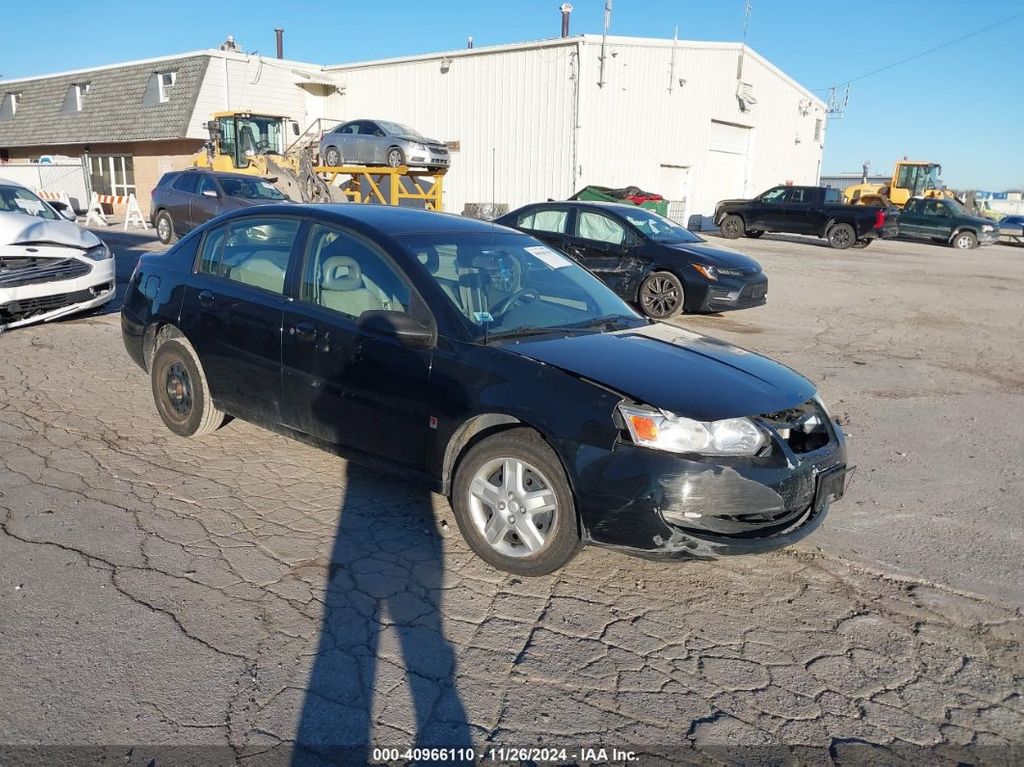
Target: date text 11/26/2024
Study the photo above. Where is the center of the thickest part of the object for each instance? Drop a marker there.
(538, 754)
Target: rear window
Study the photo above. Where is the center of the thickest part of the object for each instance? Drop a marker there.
(832, 195)
(186, 182)
(166, 179)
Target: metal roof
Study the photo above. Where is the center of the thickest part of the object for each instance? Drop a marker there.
(112, 111)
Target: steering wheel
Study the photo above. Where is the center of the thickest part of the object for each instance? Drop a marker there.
(263, 146)
(507, 303)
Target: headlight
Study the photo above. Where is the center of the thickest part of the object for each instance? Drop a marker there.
(708, 271)
(99, 253)
(987, 228)
(664, 431)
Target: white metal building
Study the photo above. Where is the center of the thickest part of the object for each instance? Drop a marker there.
(696, 122)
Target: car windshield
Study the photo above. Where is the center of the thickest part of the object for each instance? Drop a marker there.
(16, 199)
(659, 228)
(397, 129)
(250, 189)
(508, 284)
(956, 208)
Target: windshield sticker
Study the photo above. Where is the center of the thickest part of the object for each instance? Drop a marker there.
(34, 207)
(483, 317)
(549, 257)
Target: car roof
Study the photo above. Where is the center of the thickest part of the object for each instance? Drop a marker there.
(391, 220)
(217, 173)
(622, 207)
(15, 184)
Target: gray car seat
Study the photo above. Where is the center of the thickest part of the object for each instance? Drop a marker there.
(342, 288)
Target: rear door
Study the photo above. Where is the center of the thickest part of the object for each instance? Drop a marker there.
(179, 200)
(372, 142)
(232, 310)
(549, 223)
(341, 383)
(207, 202)
(604, 244)
(912, 219)
(802, 210)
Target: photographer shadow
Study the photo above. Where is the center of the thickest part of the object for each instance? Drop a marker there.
(385, 574)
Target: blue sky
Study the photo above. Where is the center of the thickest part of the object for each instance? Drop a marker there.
(962, 106)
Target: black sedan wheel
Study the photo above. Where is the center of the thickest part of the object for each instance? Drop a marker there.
(841, 236)
(181, 392)
(731, 227)
(164, 227)
(513, 504)
(662, 296)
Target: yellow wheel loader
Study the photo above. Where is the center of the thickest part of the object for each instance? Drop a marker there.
(256, 144)
(910, 178)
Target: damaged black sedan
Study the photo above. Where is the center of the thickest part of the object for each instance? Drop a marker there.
(647, 259)
(479, 360)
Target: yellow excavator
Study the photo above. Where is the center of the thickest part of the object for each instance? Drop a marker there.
(910, 178)
(256, 144)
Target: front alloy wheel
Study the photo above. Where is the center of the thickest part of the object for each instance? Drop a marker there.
(513, 506)
(661, 296)
(965, 241)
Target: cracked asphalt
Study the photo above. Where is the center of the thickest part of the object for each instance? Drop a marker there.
(247, 592)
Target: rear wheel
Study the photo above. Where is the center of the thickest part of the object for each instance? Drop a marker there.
(965, 241)
(164, 227)
(841, 236)
(662, 296)
(332, 156)
(731, 227)
(513, 504)
(396, 157)
(861, 244)
(181, 392)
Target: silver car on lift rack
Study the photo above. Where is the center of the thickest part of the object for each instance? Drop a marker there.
(379, 142)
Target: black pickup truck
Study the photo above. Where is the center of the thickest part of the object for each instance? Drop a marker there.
(816, 210)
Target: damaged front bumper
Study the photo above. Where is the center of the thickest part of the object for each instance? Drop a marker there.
(655, 504)
(40, 302)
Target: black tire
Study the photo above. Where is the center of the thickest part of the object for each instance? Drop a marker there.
(561, 541)
(395, 157)
(731, 227)
(964, 240)
(860, 244)
(165, 227)
(841, 236)
(181, 392)
(754, 233)
(332, 157)
(661, 296)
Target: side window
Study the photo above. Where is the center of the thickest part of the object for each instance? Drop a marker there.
(207, 184)
(544, 221)
(912, 206)
(935, 209)
(798, 195)
(596, 226)
(346, 275)
(253, 251)
(186, 182)
(832, 195)
(774, 196)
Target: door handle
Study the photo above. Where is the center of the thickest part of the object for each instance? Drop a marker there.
(205, 297)
(304, 331)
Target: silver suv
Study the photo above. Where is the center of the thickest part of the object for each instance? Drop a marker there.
(379, 142)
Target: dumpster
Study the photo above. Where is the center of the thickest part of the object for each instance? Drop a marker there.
(630, 195)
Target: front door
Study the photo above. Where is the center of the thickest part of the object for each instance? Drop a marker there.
(937, 221)
(604, 245)
(341, 383)
(232, 310)
(767, 213)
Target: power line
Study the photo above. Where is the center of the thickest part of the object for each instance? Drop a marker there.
(939, 47)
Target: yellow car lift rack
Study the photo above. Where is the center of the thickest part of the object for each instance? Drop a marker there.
(367, 184)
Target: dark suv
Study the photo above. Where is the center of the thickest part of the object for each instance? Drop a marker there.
(184, 199)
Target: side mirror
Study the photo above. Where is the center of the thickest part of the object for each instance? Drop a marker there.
(295, 127)
(63, 210)
(210, 193)
(409, 331)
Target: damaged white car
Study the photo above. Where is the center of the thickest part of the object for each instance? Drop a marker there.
(49, 266)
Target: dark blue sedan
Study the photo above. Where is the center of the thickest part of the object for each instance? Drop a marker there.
(497, 370)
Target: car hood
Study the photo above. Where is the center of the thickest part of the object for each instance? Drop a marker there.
(716, 256)
(674, 369)
(733, 202)
(18, 228)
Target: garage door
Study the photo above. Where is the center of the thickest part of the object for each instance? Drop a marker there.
(725, 169)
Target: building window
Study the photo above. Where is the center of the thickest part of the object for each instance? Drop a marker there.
(818, 125)
(9, 106)
(73, 99)
(166, 82)
(112, 174)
